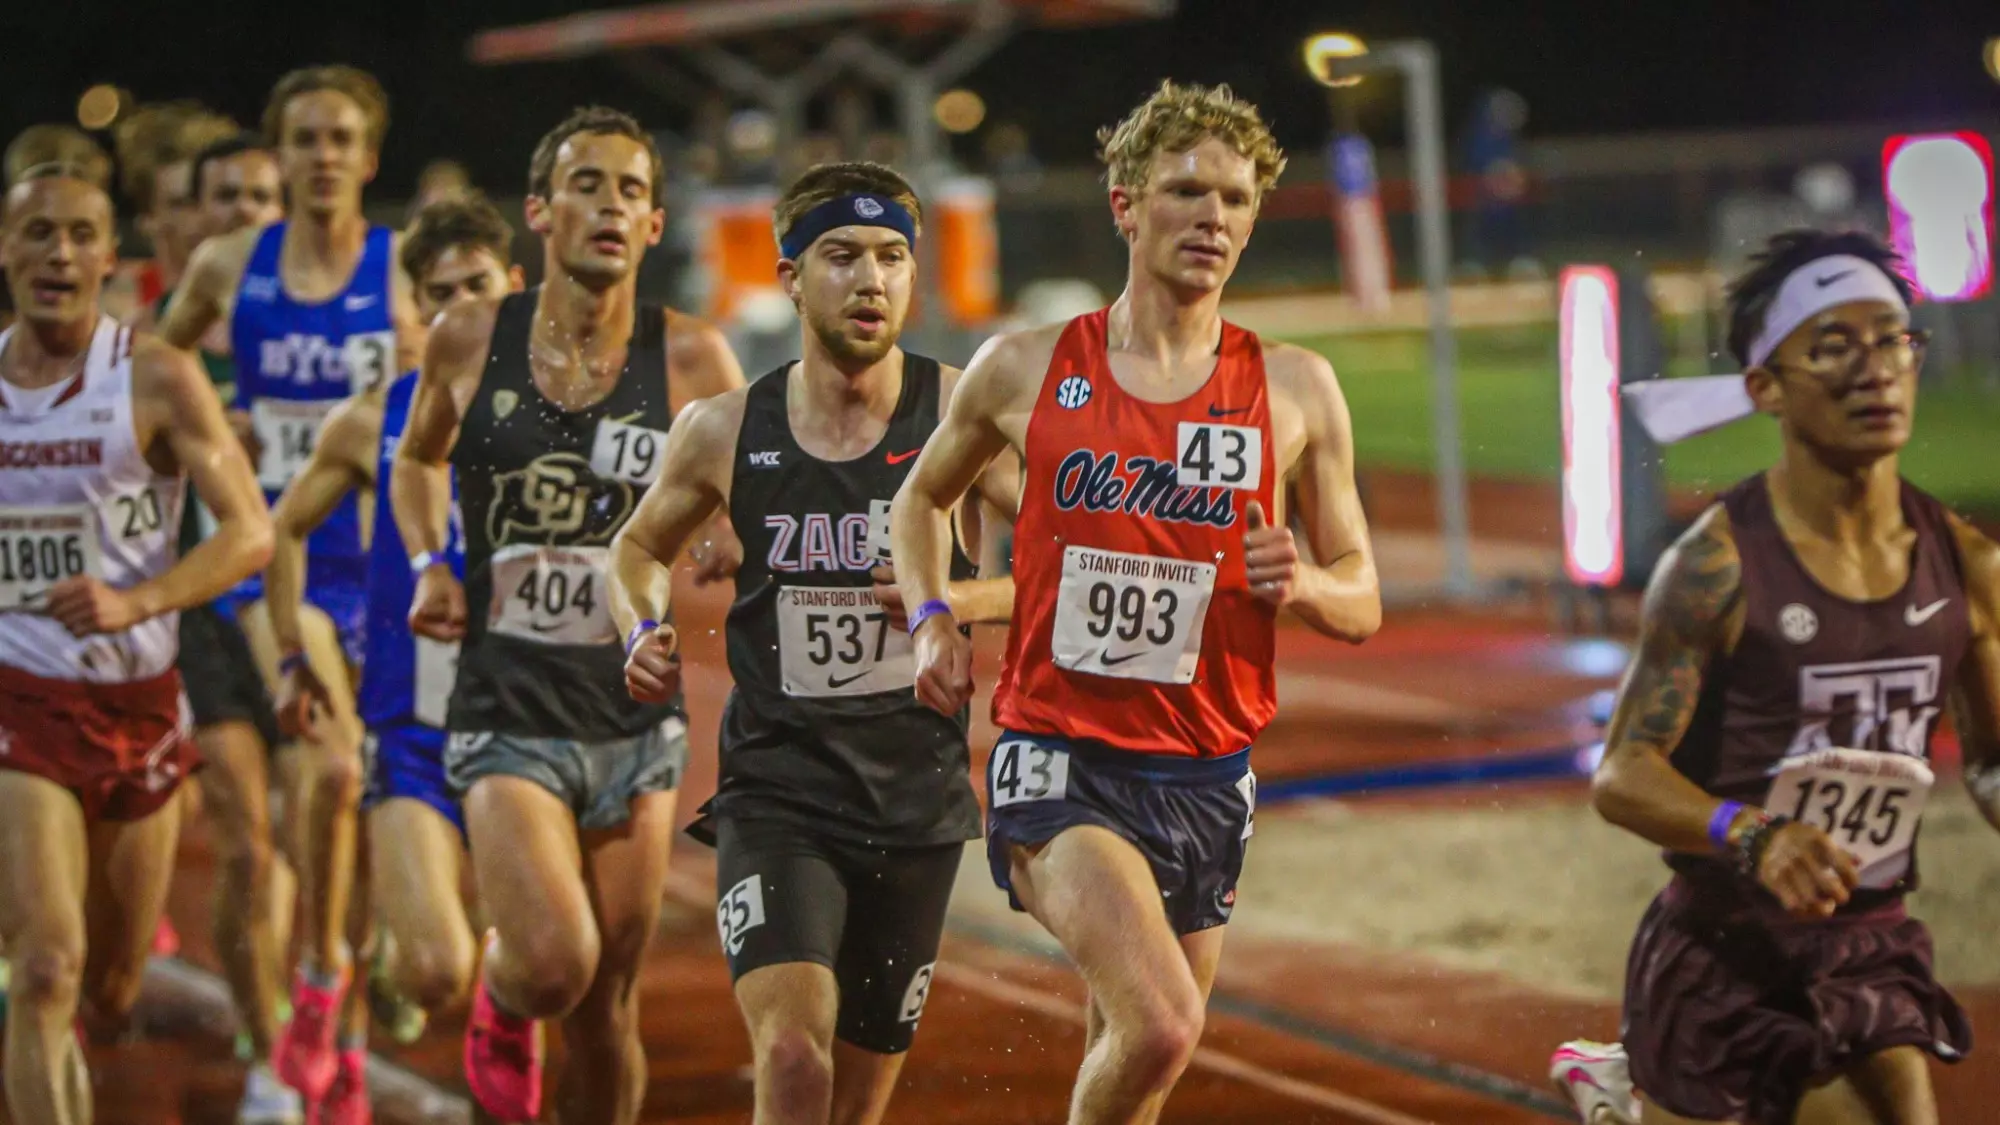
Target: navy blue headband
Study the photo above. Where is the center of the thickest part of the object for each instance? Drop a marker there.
(865, 210)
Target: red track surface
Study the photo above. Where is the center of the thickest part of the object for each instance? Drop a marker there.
(1297, 1035)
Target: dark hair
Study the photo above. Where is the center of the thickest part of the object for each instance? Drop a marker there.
(360, 86)
(824, 182)
(222, 150)
(468, 220)
(1751, 294)
(601, 120)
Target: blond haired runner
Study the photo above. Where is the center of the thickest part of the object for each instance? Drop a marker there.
(1151, 557)
(317, 311)
(101, 429)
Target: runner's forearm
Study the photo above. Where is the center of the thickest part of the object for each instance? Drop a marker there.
(642, 587)
(421, 493)
(285, 588)
(1343, 599)
(237, 550)
(1641, 792)
(920, 545)
(982, 601)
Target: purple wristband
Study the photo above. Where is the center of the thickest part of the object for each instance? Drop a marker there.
(291, 662)
(639, 630)
(1718, 825)
(927, 611)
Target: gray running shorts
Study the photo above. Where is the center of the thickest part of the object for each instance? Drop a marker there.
(597, 780)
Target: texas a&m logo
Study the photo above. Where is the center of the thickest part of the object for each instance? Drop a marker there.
(1884, 705)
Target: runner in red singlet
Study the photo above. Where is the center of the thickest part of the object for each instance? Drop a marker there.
(1151, 556)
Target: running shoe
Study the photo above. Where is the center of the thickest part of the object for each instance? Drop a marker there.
(394, 1012)
(503, 1057)
(304, 1057)
(267, 1101)
(347, 1102)
(1597, 1079)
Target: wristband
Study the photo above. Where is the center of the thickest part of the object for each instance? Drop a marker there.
(638, 632)
(928, 610)
(1750, 849)
(291, 662)
(425, 560)
(1718, 825)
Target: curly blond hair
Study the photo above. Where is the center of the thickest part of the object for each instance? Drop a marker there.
(1178, 117)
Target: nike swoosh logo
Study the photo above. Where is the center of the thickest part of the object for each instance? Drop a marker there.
(1110, 661)
(1215, 411)
(1912, 616)
(842, 681)
(899, 458)
(356, 303)
(1823, 282)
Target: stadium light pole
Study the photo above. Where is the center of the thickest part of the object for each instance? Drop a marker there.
(1342, 60)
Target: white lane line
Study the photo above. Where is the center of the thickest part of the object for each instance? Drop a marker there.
(693, 892)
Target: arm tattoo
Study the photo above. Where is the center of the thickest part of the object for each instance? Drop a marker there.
(1687, 604)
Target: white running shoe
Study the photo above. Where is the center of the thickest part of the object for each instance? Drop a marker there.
(1597, 1079)
(267, 1101)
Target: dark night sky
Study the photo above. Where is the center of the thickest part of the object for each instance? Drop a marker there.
(1599, 66)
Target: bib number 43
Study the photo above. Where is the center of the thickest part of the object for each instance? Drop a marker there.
(1025, 771)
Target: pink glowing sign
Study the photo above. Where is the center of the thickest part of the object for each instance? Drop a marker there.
(1940, 192)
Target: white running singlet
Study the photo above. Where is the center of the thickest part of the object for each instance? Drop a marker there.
(77, 497)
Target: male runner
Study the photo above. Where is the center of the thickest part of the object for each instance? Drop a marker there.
(317, 311)
(552, 407)
(1773, 733)
(843, 803)
(99, 430)
(236, 186)
(458, 249)
(156, 148)
(1150, 558)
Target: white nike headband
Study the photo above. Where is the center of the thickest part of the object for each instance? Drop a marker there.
(1815, 287)
(1674, 410)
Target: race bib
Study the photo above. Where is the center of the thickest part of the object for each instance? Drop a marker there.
(1133, 617)
(878, 530)
(1023, 771)
(286, 431)
(1210, 455)
(740, 910)
(839, 642)
(370, 358)
(40, 547)
(437, 670)
(629, 453)
(552, 595)
(1869, 802)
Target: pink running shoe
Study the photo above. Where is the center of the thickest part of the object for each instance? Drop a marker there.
(166, 940)
(1597, 1079)
(503, 1059)
(304, 1056)
(347, 1102)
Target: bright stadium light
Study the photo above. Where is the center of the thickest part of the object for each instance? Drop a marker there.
(1992, 55)
(1940, 192)
(1325, 50)
(1593, 510)
(99, 106)
(959, 111)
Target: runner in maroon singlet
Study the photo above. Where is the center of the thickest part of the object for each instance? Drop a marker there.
(1798, 648)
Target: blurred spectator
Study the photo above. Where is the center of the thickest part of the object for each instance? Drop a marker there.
(440, 180)
(1010, 161)
(1492, 157)
(156, 145)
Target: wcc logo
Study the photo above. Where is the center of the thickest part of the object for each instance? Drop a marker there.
(557, 499)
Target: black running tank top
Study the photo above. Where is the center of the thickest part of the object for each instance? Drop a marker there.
(824, 718)
(543, 490)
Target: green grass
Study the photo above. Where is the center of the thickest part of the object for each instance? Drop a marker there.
(1511, 415)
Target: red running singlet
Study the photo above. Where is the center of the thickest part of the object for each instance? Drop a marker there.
(1133, 624)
